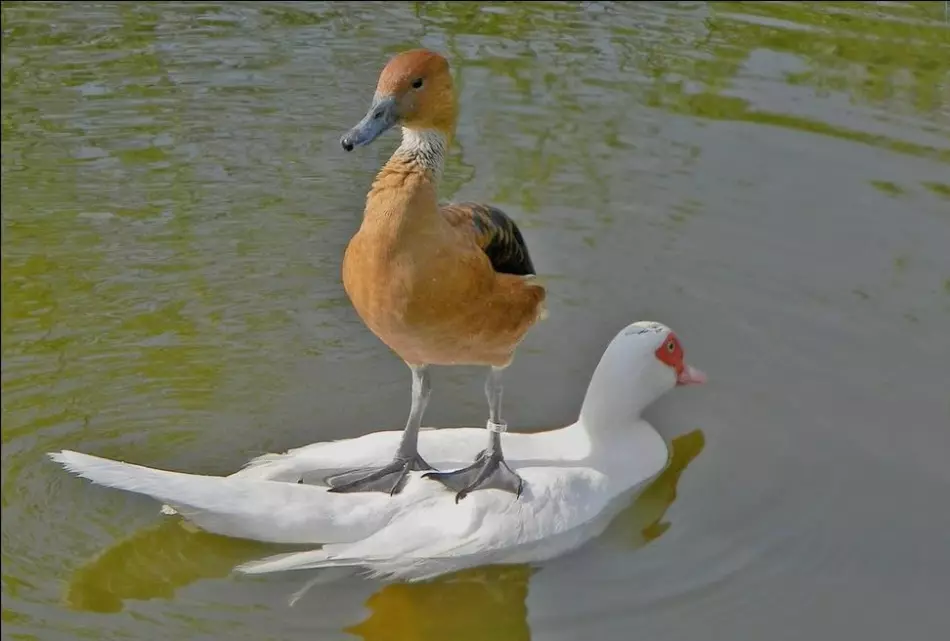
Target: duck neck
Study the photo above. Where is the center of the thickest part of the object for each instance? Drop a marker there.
(612, 404)
(423, 150)
(409, 182)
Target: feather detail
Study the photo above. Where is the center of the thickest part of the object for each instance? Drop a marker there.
(495, 233)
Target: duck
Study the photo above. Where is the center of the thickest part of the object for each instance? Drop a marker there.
(576, 478)
(439, 284)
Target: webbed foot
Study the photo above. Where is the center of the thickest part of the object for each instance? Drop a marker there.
(489, 471)
(389, 478)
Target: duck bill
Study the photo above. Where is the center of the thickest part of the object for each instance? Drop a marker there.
(690, 376)
(377, 121)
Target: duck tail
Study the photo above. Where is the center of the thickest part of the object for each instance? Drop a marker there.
(267, 511)
(115, 474)
(174, 489)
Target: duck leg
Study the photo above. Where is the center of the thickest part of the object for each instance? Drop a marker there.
(489, 469)
(391, 477)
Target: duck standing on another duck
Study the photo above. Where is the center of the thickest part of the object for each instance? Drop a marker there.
(439, 285)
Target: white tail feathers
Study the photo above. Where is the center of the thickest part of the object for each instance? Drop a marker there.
(126, 476)
(105, 472)
(260, 509)
(176, 488)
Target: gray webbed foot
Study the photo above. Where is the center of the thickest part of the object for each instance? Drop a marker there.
(389, 478)
(489, 471)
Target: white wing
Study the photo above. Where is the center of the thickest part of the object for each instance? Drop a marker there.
(488, 526)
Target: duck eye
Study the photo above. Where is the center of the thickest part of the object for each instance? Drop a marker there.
(417, 83)
(670, 346)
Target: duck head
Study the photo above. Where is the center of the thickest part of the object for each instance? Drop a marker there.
(415, 91)
(643, 361)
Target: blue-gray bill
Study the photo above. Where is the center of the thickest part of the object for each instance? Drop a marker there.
(379, 119)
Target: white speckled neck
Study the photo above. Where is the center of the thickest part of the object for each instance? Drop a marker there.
(424, 146)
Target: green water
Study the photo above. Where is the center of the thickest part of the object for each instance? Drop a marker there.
(770, 179)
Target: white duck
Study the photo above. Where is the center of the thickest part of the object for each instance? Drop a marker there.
(575, 479)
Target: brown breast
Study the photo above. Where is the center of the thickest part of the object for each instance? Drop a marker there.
(438, 303)
(424, 287)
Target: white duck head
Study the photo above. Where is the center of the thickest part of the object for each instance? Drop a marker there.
(642, 362)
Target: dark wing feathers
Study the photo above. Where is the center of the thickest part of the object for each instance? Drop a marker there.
(497, 235)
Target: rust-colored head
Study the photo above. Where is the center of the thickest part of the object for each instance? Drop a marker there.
(415, 91)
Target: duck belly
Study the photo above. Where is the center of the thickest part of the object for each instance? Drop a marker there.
(444, 315)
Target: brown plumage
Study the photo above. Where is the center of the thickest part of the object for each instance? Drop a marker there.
(440, 285)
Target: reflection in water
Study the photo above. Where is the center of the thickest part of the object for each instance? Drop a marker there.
(641, 523)
(482, 603)
(474, 604)
(154, 563)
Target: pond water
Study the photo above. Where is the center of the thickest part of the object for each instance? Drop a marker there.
(772, 181)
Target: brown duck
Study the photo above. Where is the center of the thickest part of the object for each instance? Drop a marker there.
(438, 284)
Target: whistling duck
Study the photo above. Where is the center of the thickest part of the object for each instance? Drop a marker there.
(438, 284)
(576, 477)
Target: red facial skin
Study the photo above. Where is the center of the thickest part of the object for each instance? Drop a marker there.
(671, 353)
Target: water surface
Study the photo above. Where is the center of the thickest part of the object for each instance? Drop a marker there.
(770, 179)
